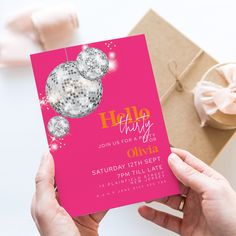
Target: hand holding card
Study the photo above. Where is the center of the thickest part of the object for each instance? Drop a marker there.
(104, 125)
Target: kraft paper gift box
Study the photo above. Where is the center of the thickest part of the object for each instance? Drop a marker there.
(176, 58)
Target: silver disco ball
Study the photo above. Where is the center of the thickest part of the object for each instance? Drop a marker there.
(70, 94)
(93, 63)
(58, 126)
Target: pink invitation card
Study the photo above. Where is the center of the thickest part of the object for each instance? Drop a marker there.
(104, 125)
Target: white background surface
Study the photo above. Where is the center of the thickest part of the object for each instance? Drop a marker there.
(209, 23)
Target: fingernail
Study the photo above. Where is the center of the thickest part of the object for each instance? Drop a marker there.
(146, 212)
(46, 156)
(173, 158)
(149, 201)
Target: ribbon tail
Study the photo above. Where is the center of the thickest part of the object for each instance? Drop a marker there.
(199, 105)
(15, 50)
(228, 71)
(21, 22)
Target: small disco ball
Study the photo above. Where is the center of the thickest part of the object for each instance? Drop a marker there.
(58, 126)
(70, 94)
(92, 63)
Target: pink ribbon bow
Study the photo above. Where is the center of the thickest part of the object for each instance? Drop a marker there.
(210, 97)
(35, 29)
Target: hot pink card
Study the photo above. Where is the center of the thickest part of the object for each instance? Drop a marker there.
(104, 124)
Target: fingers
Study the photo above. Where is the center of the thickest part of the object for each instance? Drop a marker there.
(90, 221)
(196, 163)
(98, 216)
(44, 203)
(32, 210)
(162, 219)
(172, 201)
(45, 179)
(189, 176)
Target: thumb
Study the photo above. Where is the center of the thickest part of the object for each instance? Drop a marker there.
(189, 176)
(45, 179)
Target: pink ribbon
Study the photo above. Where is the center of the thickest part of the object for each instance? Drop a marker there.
(36, 29)
(210, 97)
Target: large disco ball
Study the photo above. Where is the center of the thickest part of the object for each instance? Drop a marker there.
(93, 63)
(69, 93)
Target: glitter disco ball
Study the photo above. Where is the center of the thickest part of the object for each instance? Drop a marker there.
(58, 126)
(92, 63)
(70, 94)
